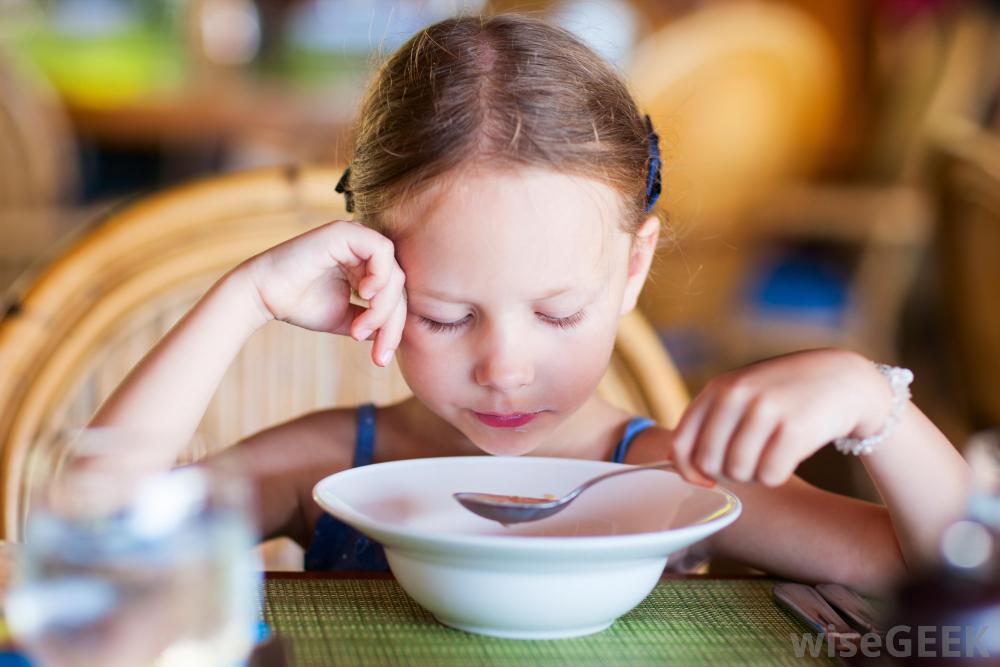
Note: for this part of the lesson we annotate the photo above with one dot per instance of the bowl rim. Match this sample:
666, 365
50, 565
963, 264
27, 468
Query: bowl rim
591, 545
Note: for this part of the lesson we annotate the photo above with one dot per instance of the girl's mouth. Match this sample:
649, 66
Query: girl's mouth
513, 420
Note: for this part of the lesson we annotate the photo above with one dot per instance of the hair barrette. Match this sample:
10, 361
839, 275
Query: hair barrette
654, 182
343, 187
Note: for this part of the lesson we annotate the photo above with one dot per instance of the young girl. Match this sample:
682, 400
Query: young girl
502, 170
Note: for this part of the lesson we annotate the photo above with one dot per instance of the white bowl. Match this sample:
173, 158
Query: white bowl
568, 575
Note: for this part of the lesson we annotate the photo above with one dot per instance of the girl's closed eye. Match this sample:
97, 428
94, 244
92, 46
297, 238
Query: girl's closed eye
443, 327
562, 322
436, 326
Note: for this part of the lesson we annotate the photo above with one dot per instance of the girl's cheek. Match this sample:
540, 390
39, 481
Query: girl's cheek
581, 370
579, 360
417, 337
421, 351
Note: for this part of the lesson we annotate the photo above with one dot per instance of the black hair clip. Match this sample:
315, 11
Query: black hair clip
343, 187
654, 182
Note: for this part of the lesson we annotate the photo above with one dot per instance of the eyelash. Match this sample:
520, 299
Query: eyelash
445, 327
563, 322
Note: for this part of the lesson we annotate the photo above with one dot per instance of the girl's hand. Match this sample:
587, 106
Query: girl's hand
758, 423
307, 281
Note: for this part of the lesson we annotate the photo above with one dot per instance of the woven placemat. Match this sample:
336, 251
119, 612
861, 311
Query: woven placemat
683, 622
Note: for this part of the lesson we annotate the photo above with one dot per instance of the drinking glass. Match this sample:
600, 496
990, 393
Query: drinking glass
127, 562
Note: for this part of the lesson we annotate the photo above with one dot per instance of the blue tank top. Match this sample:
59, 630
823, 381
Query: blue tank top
337, 546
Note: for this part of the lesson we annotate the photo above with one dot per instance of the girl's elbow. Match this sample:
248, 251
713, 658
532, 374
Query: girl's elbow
880, 567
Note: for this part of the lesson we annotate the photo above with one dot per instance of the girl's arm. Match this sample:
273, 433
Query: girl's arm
283, 477
306, 281
757, 424
807, 534
170, 388
923, 481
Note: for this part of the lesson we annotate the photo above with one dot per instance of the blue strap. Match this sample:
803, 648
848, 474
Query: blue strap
364, 446
335, 545
635, 426
338, 547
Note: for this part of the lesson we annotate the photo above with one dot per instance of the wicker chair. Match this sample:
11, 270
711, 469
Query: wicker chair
967, 249
70, 338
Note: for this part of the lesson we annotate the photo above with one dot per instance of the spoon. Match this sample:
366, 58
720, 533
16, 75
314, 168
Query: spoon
519, 509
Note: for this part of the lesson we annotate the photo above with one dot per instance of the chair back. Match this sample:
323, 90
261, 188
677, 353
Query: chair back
968, 253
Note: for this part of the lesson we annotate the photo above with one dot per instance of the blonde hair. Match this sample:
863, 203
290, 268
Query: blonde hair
508, 90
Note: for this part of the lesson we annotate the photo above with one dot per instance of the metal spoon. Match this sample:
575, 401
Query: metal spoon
519, 509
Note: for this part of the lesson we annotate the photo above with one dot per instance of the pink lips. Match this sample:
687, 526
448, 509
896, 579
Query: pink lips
514, 420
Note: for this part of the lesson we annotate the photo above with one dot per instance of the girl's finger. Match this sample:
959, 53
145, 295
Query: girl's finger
354, 246
380, 266
713, 441
748, 442
390, 334
352, 313
380, 307
684, 436
779, 460
373, 282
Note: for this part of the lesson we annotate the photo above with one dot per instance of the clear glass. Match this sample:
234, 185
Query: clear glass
126, 562
983, 454
972, 545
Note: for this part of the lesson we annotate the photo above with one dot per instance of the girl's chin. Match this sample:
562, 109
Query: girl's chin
506, 449
507, 442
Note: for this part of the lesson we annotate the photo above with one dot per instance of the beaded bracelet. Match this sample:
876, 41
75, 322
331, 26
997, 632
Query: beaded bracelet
899, 381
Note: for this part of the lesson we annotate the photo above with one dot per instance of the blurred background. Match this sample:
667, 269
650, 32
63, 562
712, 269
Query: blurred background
832, 169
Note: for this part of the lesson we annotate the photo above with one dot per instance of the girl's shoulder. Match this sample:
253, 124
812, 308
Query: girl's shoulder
321, 440
285, 462
327, 439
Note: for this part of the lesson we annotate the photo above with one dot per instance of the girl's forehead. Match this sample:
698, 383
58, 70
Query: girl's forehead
525, 209
527, 232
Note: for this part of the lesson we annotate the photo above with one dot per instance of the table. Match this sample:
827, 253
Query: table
343, 620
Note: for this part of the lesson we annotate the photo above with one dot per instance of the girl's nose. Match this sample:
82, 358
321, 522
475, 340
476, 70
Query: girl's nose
505, 370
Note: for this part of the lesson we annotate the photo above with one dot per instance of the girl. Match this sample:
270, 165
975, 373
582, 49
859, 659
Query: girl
502, 182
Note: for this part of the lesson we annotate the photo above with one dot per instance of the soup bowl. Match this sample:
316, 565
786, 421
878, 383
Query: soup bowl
568, 575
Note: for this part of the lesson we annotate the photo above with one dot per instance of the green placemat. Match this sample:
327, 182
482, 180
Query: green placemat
682, 622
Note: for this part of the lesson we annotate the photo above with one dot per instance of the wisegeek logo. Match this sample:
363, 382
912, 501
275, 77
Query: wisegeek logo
901, 641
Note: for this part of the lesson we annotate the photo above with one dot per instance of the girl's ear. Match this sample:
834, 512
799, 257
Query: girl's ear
643, 249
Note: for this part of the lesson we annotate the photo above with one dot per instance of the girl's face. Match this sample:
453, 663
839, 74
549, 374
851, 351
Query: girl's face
515, 283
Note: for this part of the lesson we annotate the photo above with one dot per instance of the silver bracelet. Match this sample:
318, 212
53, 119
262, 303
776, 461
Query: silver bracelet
899, 381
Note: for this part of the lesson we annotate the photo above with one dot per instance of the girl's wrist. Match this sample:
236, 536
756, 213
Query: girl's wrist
866, 438
238, 291
876, 399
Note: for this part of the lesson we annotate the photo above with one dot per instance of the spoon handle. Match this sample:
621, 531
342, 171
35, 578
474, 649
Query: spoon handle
666, 465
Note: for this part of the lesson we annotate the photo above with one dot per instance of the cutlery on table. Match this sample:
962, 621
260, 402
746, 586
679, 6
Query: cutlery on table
858, 611
816, 608
808, 605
